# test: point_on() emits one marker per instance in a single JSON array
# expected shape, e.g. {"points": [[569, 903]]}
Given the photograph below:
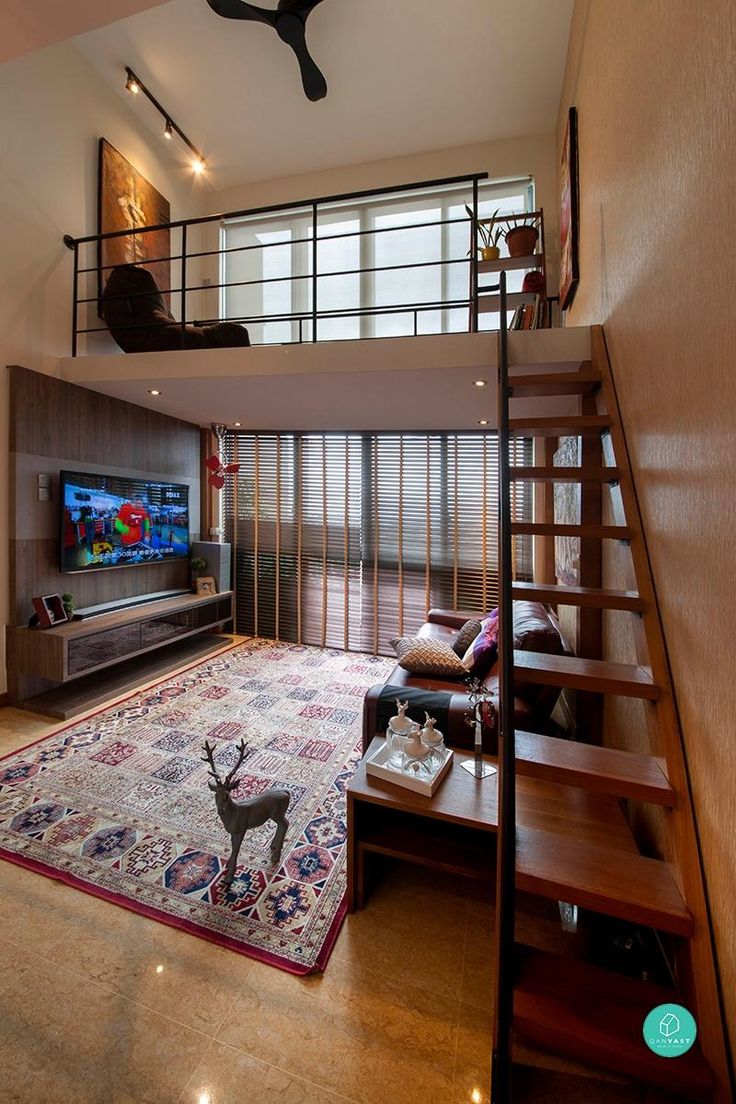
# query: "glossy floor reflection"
{"points": [[101, 1006]]}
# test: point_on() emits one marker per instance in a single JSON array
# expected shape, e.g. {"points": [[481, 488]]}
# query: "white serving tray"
{"points": [[377, 765]]}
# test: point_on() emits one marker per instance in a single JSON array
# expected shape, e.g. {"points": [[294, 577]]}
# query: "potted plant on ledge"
{"points": [[521, 236], [490, 235]]}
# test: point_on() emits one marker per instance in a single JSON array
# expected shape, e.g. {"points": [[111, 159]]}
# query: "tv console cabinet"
{"points": [[69, 652]]}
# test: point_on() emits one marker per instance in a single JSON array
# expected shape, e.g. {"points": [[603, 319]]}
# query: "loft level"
{"points": [[400, 383]]}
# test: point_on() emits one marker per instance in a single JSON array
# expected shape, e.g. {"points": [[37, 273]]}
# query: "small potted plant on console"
{"points": [[198, 566]]}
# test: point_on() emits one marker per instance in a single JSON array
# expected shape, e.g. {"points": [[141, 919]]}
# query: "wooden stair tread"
{"points": [[599, 769], [592, 532], [595, 597], [536, 384], [560, 426], [564, 475], [596, 675], [582, 1010], [605, 879]]}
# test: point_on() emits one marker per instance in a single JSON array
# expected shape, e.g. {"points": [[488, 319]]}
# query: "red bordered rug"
{"points": [[118, 804]]}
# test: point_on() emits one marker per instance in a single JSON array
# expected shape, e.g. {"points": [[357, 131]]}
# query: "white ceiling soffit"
{"points": [[31, 26], [403, 77], [387, 383]]}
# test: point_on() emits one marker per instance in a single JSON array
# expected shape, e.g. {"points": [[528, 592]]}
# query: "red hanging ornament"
{"points": [[216, 468]]}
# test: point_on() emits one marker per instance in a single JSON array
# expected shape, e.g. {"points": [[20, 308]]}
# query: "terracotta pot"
{"points": [[490, 253], [522, 240]]}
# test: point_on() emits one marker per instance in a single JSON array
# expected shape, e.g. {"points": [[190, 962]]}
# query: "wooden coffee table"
{"points": [[452, 831]]}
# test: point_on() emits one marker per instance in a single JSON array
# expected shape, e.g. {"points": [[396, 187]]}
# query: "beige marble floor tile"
{"points": [[472, 1074], [354, 1031], [227, 1076], [63, 1038], [410, 946], [14, 963], [187, 979]]}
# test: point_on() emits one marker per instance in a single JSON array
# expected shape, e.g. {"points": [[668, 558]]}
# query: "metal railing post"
{"points": [[183, 283], [314, 272], [506, 842], [75, 305], [474, 263]]}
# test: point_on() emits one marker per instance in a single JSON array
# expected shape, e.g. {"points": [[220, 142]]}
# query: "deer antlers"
{"points": [[208, 757]]}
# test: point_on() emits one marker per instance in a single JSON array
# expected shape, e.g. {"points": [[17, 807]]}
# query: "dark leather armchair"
{"points": [[137, 317]]}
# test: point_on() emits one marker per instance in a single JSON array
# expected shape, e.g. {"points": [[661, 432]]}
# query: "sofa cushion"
{"points": [[422, 655], [465, 636], [482, 653], [534, 630]]}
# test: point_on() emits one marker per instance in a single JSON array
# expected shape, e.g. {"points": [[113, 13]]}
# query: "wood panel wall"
{"points": [[653, 83], [56, 425]]}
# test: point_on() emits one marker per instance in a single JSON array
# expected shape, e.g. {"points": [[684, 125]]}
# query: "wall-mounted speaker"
{"points": [[219, 562]]}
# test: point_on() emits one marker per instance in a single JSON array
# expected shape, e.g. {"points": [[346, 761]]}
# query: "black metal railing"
{"points": [[187, 266], [506, 840]]}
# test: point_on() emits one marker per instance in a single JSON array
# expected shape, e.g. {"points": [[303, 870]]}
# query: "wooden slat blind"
{"points": [[346, 540]]}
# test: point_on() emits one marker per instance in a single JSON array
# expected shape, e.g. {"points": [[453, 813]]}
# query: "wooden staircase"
{"points": [[564, 1004]]}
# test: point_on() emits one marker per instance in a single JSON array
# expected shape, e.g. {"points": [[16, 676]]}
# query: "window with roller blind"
{"points": [[376, 255], [347, 540]]}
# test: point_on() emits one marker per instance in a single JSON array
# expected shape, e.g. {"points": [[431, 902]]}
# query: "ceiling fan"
{"points": [[289, 20]]}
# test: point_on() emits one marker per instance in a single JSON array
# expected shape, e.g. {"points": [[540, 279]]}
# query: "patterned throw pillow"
{"points": [[428, 656], [465, 636], [482, 653]]}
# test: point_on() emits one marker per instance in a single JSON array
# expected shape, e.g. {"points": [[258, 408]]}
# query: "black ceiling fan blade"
{"points": [[291, 29], [298, 7], [239, 9]]}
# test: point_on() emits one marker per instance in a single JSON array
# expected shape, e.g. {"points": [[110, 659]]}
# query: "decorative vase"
{"points": [[521, 240], [433, 739], [490, 253], [416, 756], [399, 729]]}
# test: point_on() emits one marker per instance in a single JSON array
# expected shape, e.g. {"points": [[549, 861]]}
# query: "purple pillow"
{"points": [[482, 653]]}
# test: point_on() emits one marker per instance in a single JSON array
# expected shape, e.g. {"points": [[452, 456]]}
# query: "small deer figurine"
{"points": [[238, 816]]}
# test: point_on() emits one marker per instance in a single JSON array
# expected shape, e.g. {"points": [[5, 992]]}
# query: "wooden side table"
{"points": [[450, 831]]}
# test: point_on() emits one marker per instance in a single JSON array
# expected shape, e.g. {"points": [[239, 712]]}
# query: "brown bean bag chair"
{"points": [[136, 316]]}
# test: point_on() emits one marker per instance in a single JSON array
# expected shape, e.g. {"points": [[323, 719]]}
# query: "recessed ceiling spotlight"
{"points": [[480, 383], [237, 424], [483, 421], [153, 391]]}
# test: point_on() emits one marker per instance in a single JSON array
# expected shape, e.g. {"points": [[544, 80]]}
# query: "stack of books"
{"points": [[530, 316]]}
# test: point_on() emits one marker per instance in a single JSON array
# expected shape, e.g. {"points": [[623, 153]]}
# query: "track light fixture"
{"points": [[135, 85]]}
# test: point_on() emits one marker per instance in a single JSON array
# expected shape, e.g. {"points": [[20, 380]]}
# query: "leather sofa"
{"points": [[536, 629]]}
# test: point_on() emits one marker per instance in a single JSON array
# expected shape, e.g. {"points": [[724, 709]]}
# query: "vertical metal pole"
{"points": [[75, 298], [183, 282], [474, 264], [506, 843], [314, 272]]}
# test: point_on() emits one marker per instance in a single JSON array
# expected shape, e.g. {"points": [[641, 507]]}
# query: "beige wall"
{"points": [[53, 109], [653, 82]]}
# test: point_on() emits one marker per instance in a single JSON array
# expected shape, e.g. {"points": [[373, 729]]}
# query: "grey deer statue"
{"points": [[238, 816]]}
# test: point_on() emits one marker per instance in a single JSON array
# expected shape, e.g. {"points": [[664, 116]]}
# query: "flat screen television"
{"points": [[114, 521]]}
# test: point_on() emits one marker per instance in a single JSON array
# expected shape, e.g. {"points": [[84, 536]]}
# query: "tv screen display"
{"points": [[113, 521]]}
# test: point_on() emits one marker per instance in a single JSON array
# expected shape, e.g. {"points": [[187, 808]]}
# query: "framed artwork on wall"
{"points": [[569, 208], [126, 200]]}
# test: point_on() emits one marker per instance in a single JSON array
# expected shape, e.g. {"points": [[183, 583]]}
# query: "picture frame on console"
{"points": [[205, 585], [49, 610]]}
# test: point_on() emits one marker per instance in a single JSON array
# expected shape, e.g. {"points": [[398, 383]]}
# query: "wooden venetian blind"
{"points": [[346, 540]]}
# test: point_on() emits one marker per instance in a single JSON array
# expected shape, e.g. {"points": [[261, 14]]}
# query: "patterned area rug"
{"points": [[118, 805]]}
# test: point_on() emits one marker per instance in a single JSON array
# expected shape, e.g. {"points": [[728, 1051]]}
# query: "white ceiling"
{"points": [[28, 27], [404, 76]]}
